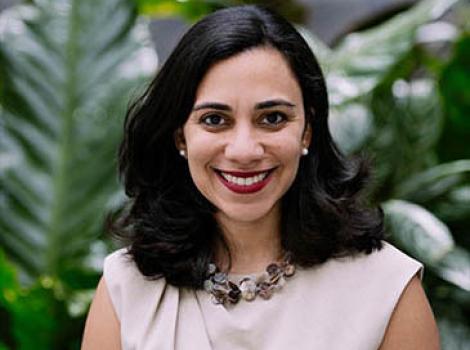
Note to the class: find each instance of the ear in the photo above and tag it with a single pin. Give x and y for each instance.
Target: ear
(180, 142)
(307, 136)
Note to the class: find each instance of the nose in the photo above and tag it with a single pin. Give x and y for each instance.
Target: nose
(244, 145)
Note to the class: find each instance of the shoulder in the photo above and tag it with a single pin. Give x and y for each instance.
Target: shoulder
(385, 262)
(384, 272)
(412, 324)
(102, 325)
(125, 283)
(364, 289)
(119, 265)
(393, 279)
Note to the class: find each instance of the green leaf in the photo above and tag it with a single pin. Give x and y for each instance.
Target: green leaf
(454, 82)
(419, 231)
(190, 9)
(456, 204)
(453, 85)
(407, 125)
(351, 125)
(434, 182)
(454, 335)
(362, 60)
(454, 267)
(69, 68)
(8, 279)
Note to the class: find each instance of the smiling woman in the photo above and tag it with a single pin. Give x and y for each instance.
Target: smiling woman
(244, 137)
(245, 229)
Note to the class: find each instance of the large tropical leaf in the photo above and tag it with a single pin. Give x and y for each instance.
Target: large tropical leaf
(407, 124)
(418, 230)
(454, 85)
(426, 237)
(68, 68)
(455, 268)
(454, 335)
(435, 181)
(364, 61)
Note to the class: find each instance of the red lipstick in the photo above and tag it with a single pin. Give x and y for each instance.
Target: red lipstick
(245, 189)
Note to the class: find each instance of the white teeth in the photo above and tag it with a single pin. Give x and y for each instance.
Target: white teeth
(244, 181)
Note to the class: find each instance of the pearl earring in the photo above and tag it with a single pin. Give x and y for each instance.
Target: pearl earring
(182, 153)
(304, 151)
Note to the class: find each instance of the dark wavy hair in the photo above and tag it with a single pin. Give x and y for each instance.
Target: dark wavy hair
(169, 226)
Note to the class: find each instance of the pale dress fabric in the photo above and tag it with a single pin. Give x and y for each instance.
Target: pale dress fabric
(342, 304)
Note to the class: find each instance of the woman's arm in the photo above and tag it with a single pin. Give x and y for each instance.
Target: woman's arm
(102, 325)
(412, 325)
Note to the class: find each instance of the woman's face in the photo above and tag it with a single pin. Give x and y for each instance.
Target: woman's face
(245, 134)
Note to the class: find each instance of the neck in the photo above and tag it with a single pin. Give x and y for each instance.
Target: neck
(252, 245)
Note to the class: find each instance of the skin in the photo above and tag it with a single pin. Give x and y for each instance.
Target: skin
(228, 130)
(412, 325)
(253, 120)
(102, 328)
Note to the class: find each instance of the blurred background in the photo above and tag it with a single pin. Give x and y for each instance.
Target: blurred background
(398, 73)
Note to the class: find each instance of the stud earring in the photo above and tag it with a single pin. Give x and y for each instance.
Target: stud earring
(182, 153)
(304, 151)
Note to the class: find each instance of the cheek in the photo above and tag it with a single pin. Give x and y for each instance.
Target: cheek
(287, 145)
(197, 143)
(200, 153)
(287, 149)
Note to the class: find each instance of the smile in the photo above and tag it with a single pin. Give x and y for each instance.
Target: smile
(245, 182)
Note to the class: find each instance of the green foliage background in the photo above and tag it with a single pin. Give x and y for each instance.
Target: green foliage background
(399, 91)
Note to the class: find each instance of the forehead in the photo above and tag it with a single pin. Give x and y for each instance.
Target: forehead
(254, 74)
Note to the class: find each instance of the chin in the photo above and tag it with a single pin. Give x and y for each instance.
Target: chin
(246, 213)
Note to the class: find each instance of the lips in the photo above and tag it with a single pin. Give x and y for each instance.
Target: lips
(245, 182)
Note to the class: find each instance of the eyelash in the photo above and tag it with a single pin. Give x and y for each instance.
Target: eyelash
(206, 117)
(277, 123)
(205, 120)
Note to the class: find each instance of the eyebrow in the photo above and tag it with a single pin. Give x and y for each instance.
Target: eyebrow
(259, 105)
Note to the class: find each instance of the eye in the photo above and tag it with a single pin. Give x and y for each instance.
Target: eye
(274, 118)
(213, 120)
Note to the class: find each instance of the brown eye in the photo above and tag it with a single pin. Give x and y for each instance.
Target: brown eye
(213, 120)
(273, 119)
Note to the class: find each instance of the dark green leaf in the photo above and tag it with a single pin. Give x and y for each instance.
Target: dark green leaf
(424, 235)
(69, 68)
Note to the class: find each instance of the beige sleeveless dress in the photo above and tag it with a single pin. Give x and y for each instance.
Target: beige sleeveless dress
(342, 304)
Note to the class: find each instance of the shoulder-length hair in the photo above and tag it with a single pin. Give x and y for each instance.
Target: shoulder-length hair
(169, 225)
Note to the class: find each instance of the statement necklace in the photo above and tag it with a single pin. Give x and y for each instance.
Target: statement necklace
(224, 291)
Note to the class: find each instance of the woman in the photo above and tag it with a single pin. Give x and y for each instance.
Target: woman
(231, 169)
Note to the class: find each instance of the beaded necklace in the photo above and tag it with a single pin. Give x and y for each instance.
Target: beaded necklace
(225, 291)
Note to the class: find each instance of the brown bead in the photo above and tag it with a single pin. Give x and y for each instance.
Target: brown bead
(224, 291)
(274, 278)
(273, 269)
(234, 295)
(264, 277)
(266, 293)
